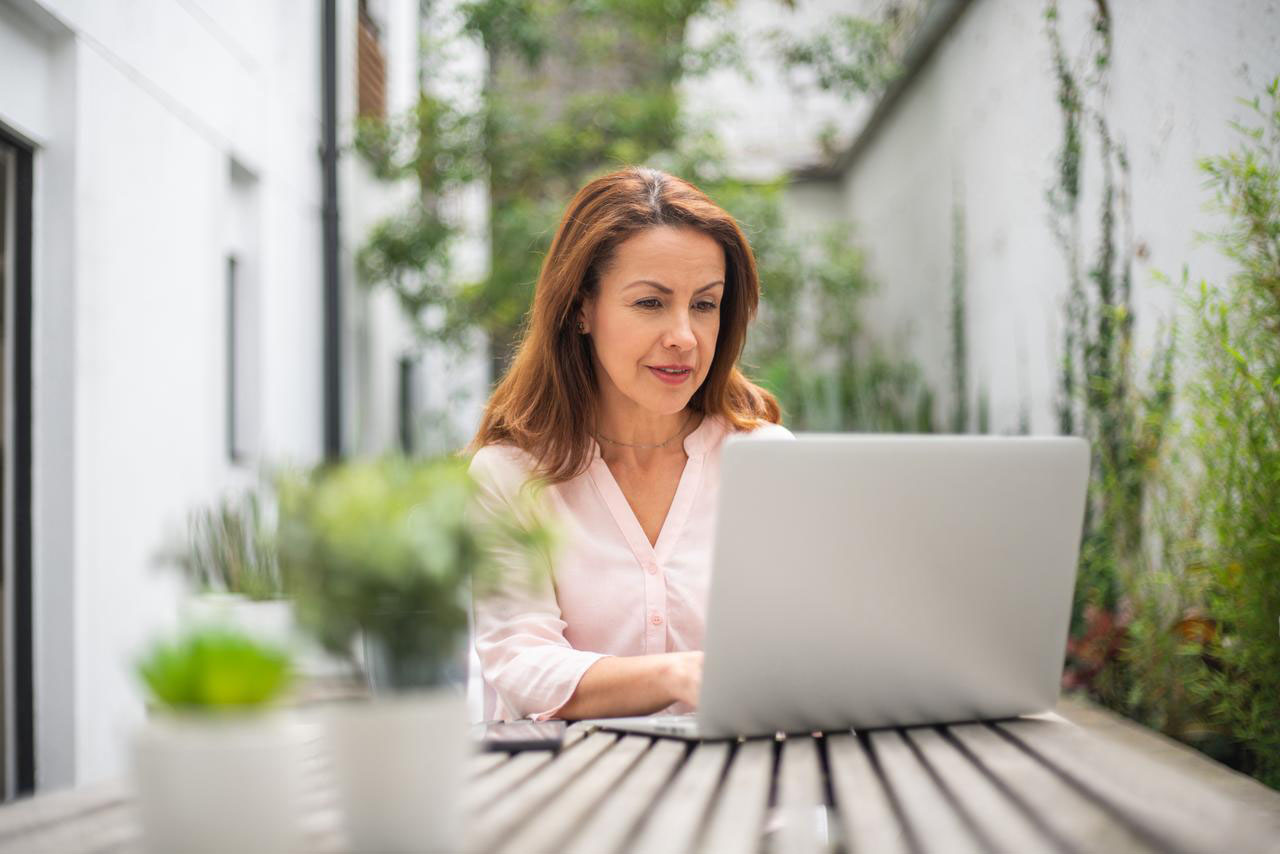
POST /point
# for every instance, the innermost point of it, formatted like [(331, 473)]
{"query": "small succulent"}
[(215, 669)]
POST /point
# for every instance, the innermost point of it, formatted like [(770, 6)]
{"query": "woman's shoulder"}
[(721, 430), (768, 430), (504, 467)]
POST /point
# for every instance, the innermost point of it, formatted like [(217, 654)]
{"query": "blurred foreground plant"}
[(388, 550), (214, 669)]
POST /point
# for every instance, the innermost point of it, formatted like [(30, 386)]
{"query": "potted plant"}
[(383, 553), (215, 768), (229, 559)]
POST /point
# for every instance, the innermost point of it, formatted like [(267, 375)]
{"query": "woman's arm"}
[(635, 685)]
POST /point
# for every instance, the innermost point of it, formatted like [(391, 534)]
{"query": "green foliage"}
[(437, 144), (388, 548), (1237, 432), (214, 669), (230, 548), (849, 56)]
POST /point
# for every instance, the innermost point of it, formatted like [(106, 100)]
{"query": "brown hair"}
[(545, 404)]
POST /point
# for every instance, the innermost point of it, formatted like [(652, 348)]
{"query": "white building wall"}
[(138, 111), (981, 126)]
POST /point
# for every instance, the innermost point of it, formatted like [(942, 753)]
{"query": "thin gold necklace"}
[(659, 445)]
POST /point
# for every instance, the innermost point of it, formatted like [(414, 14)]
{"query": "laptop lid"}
[(864, 581)]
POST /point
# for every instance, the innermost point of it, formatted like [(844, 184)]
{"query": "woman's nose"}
[(680, 334)]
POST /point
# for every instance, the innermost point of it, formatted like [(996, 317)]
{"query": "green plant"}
[(230, 548), (214, 669), (1236, 396), (386, 549)]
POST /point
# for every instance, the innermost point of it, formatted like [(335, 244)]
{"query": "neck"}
[(638, 436), (643, 432)]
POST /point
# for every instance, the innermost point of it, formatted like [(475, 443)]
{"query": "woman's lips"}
[(671, 377)]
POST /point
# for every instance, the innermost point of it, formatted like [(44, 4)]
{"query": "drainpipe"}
[(329, 214)]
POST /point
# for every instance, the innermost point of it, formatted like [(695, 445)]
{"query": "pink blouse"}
[(612, 592)]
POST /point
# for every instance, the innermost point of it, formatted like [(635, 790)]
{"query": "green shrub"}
[(1236, 417), (214, 669)]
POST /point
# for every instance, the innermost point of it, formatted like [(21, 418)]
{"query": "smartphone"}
[(512, 736)]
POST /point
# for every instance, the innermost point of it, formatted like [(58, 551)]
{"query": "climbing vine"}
[(1100, 396)]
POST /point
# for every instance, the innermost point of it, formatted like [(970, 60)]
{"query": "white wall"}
[(981, 124), (138, 111)]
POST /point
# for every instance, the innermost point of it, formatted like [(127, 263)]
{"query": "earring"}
[(582, 329)]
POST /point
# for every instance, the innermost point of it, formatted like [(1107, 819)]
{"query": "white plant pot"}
[(206, 785), (268, 620), (399, 765)]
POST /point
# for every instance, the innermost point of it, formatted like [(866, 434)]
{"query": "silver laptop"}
[(870, 581)]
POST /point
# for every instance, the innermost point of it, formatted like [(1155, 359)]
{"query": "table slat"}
[(482, 763), (109, 830), (1076, 822), (1168, 810), (930, 817), (490, 825), (24, 816), (480, 793), (799, 822), (682, 807), (548, 828), (737, 816), (996, 819), (609, 826), (867, 819)]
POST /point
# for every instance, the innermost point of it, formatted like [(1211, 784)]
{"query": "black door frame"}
[(21, 594)]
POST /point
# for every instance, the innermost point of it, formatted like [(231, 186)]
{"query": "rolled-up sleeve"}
[(519, 633)]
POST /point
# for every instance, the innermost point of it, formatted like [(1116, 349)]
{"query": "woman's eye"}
[(705, 305), (650, 302)]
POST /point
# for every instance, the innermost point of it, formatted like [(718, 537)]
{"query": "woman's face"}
[(655, 317)]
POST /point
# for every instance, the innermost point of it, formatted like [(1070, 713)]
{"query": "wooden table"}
[(1034, 784)]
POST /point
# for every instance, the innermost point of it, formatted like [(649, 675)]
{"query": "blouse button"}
[(656, 619)]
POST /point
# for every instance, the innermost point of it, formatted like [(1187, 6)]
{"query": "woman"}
[(619, 399)]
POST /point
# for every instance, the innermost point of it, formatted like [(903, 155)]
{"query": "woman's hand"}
[(684, 676), (635, 685)]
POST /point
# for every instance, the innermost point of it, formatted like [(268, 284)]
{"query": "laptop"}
[(869, 581)]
